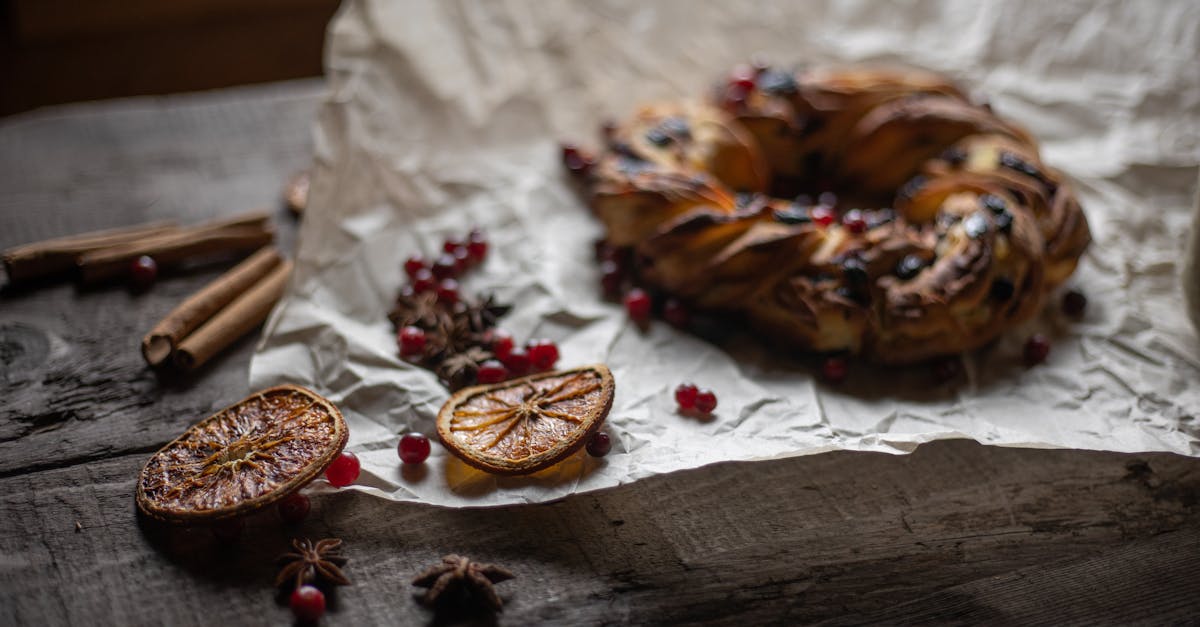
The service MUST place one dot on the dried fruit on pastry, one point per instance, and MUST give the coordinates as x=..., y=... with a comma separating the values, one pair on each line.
x=936, y=225
x=242, y=458
x=524, y=425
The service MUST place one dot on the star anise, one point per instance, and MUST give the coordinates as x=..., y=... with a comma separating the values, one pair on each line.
x=421, y=310
x=452, y=336
x=457, y=574
x=312, y=561
x=483, y=315
x=458, y=370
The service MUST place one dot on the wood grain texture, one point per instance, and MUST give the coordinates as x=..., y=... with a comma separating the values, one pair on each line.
x=953, y=533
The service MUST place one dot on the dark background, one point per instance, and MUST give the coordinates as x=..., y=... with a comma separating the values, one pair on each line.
x=55, y=51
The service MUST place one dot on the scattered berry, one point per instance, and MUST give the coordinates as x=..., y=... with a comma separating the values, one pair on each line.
x=601, y=249
x=946, y=369
x=413, y=448
x=445, y=267
x=343, y=470
x=307, y=603
x=685, y=396
x=743, y=77
x=517, y=362
x=833, y=370
x=462, y=260
x=638, y=304
x=575, y=160
x=676, y=314
x=1073, y=303
x=822, y=215
x=413, y=264
x=451, y=245
x=447, y=292
x=143, y=271
x=501, y=343
x=854, y=221
x=1037, y=347
x=491, y=371
x=477, y=245
x=599, y=445
x=294, y=508
x=611, y=278
x=422, y=280
x=229, y=530
x=412, y=341
x=706, y=401
x=542, y=353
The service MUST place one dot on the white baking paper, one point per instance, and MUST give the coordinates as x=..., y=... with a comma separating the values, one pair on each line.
x=443, y=115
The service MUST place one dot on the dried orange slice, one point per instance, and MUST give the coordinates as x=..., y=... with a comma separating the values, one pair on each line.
x=524, y=425
x=248, y=455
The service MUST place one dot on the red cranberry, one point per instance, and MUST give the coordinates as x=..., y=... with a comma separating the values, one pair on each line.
x=1037, y=348
x=833, y=370
x=307, y=603
x=501, y=343
x=517, y=361
x=1073, y=303
x=542, y=353
x=413, y=264
x=599, y=445
x=491, y=371
x=823, y=215
x=143, y=271
x=446, y=267
x=447, y=292
x=343, y=470
x=685, y=396
x=422, y=280
x=946, y=369
x=462, y=260
x=706, y=401
x=638, y=304
x=676, y=314
x=413, y=448
x=294, y=508
x=412, y=340
x=452, y=244
x=611, y=278
x=601, y=249
x=229, y=530
x=743, y=77
x=854, y=221
x=477, y=245
x=575, y=160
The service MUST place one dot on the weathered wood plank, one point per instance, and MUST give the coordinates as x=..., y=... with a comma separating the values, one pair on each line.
x=954, y=531
x=72, y=380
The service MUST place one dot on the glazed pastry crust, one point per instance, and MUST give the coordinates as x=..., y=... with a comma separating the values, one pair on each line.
x=951, y=229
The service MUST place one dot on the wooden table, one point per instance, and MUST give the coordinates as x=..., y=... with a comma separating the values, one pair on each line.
x=955, y=532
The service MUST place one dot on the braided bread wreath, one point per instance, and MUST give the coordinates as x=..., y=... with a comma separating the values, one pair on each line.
x=946, y=229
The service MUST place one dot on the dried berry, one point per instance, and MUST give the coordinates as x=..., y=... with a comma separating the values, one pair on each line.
x=343, y=470
x=413, y=448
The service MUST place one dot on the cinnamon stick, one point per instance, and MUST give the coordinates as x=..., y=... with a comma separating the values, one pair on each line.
x=161, y=341
x=237, y=318
x=238, y=234
x=57, y=256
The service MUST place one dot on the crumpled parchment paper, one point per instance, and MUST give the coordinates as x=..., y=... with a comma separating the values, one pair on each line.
x=443, y=115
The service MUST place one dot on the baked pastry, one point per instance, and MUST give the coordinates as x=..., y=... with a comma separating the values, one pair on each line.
x=943, y=229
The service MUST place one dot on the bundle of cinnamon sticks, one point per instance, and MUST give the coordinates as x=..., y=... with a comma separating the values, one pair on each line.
x=216, y=316
x=205, y=323
x=107, y=255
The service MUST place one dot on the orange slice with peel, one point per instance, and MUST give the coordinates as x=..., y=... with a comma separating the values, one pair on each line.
x=521, y=426
x=244, y=457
